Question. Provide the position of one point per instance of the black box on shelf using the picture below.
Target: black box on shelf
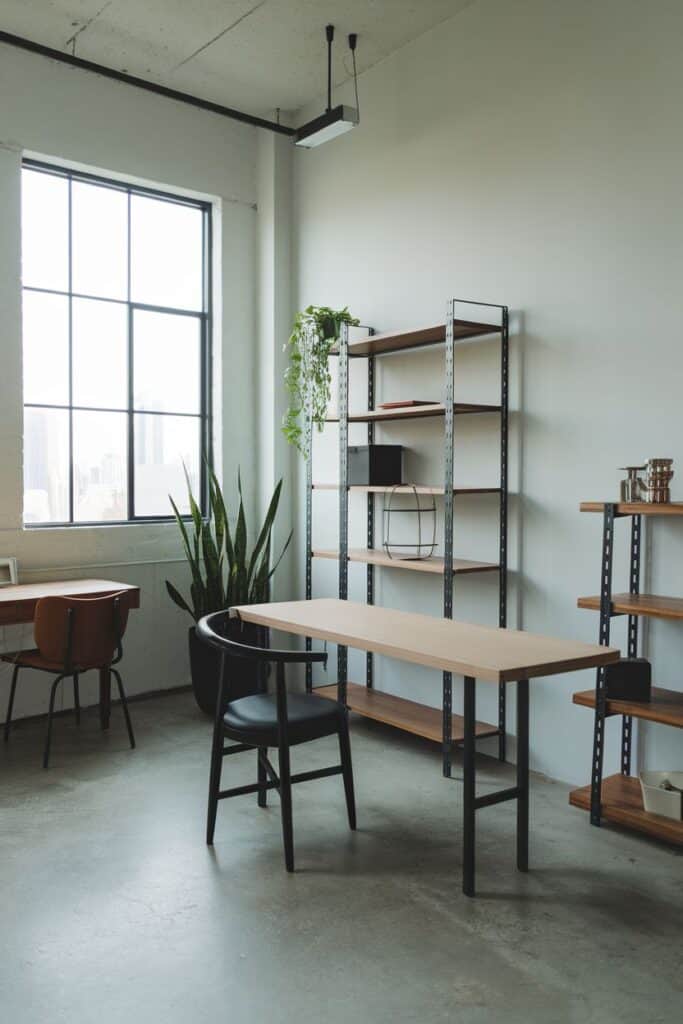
(628, 679)
(380, 465)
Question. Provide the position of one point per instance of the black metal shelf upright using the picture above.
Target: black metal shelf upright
(609, 515)
(466, 332)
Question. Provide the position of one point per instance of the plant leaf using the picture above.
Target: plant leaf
(179, 599)
(240, 529)
(193, 561)
(265, 529)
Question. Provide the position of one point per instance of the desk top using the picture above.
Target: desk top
(496, 655)
(18, 600)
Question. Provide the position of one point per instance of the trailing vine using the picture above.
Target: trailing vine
(307, 378)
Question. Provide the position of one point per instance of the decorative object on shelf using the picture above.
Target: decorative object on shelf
(632, 488)
(663, 793)
(375, 464)
(307, 378)
(8, 572)
(407, 403)
(417, 549)
(224, 573)
(658, 476)
(629, 679)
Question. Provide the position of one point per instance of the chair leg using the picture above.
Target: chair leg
(10, 705)
(124, 705)
(77, 699)
(262, 777)
(48, 738)
(286, 806)
(345, 752)
(214, 780)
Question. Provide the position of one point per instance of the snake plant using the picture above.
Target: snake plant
(224, 571)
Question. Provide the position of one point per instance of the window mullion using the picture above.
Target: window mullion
(131, 417)
(71, 361)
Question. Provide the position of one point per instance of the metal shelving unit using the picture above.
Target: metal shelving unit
(405, 714)
(618, 798)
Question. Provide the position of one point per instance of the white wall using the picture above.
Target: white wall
(527, 153)
(76, 117)
(276, 459)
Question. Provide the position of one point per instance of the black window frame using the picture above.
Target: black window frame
(205, 317)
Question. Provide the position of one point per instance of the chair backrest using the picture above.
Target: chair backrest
(82, 632)
(211, 630)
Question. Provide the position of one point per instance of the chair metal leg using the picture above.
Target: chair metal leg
(48, 738)
(124, 705)
(286, 806)
(10, 705)
(262, 777)
(345, 752)
(77, 699)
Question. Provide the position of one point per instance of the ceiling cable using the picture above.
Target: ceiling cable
(353, 39)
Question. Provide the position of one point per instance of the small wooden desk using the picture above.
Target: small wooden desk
(475, 652)
(18, 605)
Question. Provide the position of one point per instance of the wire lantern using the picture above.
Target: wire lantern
(424, 520)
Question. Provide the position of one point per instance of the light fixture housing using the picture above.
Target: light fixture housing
(328, 126)
(336, 120)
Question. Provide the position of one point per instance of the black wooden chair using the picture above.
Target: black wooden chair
(265, 720)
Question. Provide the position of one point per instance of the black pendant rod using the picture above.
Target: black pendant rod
(329, 32)
(141, 83)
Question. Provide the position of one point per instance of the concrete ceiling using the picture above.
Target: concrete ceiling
(255, 55)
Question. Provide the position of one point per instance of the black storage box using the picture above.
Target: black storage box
(378, 464)
(628, 679)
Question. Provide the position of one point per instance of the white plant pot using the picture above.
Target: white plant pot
(662, 801)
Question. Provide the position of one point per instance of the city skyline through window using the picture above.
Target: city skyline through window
(116, 328)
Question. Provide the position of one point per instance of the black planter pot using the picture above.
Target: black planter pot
(205, 665)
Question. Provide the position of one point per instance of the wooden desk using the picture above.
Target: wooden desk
(475, 652)
(18, 605)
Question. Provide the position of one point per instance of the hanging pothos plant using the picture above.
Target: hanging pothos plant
(307, 377)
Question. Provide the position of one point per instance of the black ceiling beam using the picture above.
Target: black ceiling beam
(141, 83)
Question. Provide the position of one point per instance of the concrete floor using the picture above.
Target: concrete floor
(112, 909)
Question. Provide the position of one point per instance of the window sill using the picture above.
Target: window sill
(165, 521)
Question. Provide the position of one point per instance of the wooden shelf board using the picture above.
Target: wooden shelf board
(622, 803)
(414, 412)
(636, 508)
(376, 556)
(653, 605)
(418, 337)
(666, 706)
(402, 714)
(405, 489)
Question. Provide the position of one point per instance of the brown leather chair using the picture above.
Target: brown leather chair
(73, 635)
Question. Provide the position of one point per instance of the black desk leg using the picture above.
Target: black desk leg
(469, 790)
(523, 775)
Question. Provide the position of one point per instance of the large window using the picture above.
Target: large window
(116, 295)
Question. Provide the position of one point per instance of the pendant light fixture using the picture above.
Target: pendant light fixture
(336, 120)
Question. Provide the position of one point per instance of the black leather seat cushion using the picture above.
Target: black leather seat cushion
(254, 719)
